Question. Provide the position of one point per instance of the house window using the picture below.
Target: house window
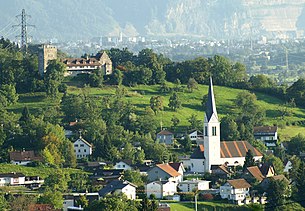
(206, 130)
(213, 131)
(81, 145)
(85, 150)
(123, 166)
(75, 145)
(79, 150)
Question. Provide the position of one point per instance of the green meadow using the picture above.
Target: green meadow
(140, 96)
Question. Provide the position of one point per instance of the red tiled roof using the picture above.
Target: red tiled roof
(229, 149)
(239, 183)
(165, 132)
(255, 172)
(168, 169)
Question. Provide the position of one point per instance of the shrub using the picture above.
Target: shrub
(207, 197)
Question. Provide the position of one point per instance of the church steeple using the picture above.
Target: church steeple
(210, 105)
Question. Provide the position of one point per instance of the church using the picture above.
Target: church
(212, 151)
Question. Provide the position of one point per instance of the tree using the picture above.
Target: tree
(229, 129)
(3, 203)
(25, 116)
(156, 103)
(174, 102)
(52, 197)
(96, 78)
(187, 144)
(9, 92)
(249, 160)
(278, 192)
(296, 144)
(117, 77)
(79, 182)
(175, 121)
(192, 84)
(276, 162)
(58, 181)
(82, 201)
(134, 177)
(300, 183)
(53, 77)
(128, 153)
(195, 123)
(22, 202)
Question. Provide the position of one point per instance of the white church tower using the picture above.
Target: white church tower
(211, 132)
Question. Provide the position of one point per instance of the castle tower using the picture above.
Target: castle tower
(46, 53)
(211, 131)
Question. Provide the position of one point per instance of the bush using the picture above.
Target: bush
(187, 196)
(206, 197)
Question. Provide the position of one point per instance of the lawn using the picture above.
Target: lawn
(140, 96)
(206, 206)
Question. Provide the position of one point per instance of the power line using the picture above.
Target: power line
(23, 24)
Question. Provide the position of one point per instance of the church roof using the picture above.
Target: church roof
(230, 149)
(210, 105)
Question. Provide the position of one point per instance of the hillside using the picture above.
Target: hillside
(210, 18)
(139, 96)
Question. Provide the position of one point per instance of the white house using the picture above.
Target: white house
(24, 157)
(195, 184)
(164, 172)
(12, 179)
(161, 188)
(216, 152)
(82, 148)
(165, 137)
(235, 190)
(119, 186)
(123, 164)
(195, 134)
(267, 134)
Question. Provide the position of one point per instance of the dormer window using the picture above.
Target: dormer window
(214, 131)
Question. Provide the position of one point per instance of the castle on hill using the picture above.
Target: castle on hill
(211, 151)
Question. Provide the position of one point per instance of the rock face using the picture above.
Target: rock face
(207, 18)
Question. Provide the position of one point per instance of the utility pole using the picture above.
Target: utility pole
(24, 35)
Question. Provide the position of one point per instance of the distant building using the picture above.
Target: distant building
(165, 137)
(161, 188)
(118, 186)
(123, 164)
(164, 172)
(82, 148)
(195, 184)
(24, 157)
(235, 190)
(77, 66)
(267, 134)
(46, 53)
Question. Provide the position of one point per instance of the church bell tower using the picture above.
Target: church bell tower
(211, 132)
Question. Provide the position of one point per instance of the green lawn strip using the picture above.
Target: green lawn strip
(218, 206)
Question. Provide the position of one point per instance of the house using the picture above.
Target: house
(161, 188)
(87, 65)
(164, 172)
(197, 160)
(195, 134)
(24, 157)
(252, 174)
(195, 184)
(267, 170)
(117, 187)
(123, 164)
(235, 190)
(12, 179)
(266, 182)
(267, 134)
(166, 137)
(178, 166)
(214, 151)
(82, 148)
(221, 171)
(186, 162)
(105, 176)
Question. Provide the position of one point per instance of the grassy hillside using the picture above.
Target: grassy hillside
(140, 95)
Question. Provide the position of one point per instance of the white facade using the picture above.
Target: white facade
(21, 162)
(12, 180)
(231, 193)
(82, 148)
(129, 191)
(197, 165)
(122, 165)
(191, 185)
(161, 189)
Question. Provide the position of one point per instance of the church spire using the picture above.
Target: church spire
(210, 105)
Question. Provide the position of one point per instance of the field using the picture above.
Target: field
(140, 95)
(206, 206)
